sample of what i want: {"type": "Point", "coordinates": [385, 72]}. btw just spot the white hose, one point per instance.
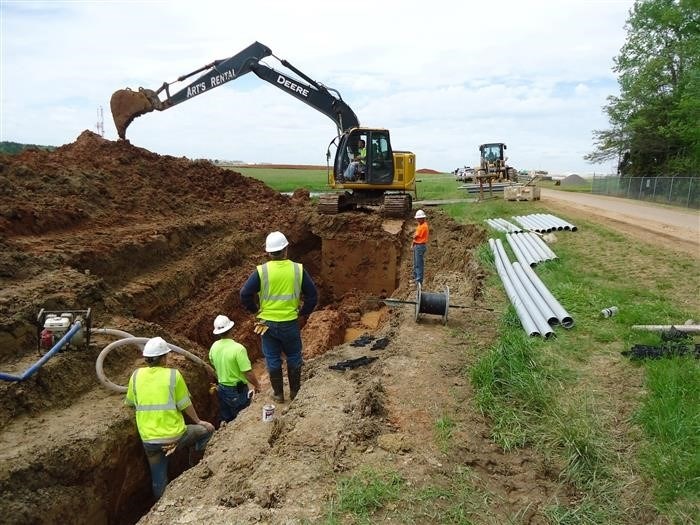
{"type": "Point", "coordinates": [140, 342]}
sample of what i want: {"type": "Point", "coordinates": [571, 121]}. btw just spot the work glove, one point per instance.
{"type": "Point", "coordinates": [260, 327]}
{"type": "Point", "coordinates": [213, 387]}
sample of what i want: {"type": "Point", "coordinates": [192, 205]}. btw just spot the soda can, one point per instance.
{"type": "Point", "coordinates": [268, 413]}
{"type": "Point", "coordinates": [609, 312]}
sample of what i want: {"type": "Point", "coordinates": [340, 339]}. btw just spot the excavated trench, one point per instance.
{"type": "Point", "coordinates": [89, 226]}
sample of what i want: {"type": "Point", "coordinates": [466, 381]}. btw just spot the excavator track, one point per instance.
{"type": "Point", "coordinates": [397, 204]}
{"type": "Point", "coordinates": [332, 203]}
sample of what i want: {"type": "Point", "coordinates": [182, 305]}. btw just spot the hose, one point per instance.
{"type": "Point", "coordinates": [140, 342]}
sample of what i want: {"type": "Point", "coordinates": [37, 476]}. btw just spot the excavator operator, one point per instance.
{"type": "Point", "coordinates": [357, 167]}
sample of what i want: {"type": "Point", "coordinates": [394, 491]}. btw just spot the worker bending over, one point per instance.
{"type": "Point", "coordinates": [159, 395]}
{"type": "Point", "coordinates": [233, 371]}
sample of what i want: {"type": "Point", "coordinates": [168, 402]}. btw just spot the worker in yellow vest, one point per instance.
{"type": "Point", "coordinates": [279, 285]}
{"type": "Point", "coordinates": [159, 395]}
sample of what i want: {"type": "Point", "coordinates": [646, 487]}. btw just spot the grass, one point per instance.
{"type": "Point", "coordinates": [641, 425]}
{"type": "Point", "coordinates": [363, 494]}
{"type": "Point", "coordinates": [287, 180]}
{"type": "Point", "coordinates": [444, 427]}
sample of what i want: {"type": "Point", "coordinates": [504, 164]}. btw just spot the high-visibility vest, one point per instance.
{"type": "Point", "coordinates": [280, 290]}
{"type": "Point", "coordinates": [159, 395]}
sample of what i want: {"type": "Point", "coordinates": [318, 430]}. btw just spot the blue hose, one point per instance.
{"type": "Point", "coordinates": [48, 355]}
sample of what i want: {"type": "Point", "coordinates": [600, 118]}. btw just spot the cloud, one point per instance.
{"type": "Point", "coordinates": [443, 76]}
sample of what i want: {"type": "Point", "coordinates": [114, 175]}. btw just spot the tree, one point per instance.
{"type": "Point", "coordinates": [654, 120]}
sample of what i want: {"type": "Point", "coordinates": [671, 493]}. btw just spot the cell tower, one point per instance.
{"type": "Point", "coordinates": [100, 122]}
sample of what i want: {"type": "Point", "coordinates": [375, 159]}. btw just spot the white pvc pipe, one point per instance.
{"type": "Point", "coordinates": [564, 318]}
{"type": "Point", "coordinates": [686, 328]}
{"type": "Point", "coordinates": [525, 319]}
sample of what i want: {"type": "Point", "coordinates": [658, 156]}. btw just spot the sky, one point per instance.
{"type": "Point", "coordinates": [442, 76]}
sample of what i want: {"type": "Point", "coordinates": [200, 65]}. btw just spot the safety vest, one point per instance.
{"type": "Point", "coordinates": [280, 290]}
{"type": "Point", "coordinates": [159, 395]}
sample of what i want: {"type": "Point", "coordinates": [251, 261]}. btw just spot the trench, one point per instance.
{"type": "Point", "coordinates": [104, 473]}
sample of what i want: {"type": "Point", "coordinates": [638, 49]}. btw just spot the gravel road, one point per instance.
{"type": "Point", "coordinates": [675, 228]}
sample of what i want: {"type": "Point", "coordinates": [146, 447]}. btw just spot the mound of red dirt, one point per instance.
{"type": "Point", "coordinates": [427, 171]}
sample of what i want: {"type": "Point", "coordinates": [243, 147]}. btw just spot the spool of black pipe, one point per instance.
{"type": "Point", "coordinates": [433, 303]}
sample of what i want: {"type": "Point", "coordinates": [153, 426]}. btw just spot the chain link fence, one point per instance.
{"type": "Point", "coordinates": [679, 191]}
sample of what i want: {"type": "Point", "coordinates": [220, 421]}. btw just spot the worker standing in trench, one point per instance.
{"type": "Point", "coordinates": [233, 371]}
{"type": "Point", "coordinates": [159, 395]}
{"type": "Point", "coordinates": [420, 242]}
{"type": "Point", "coordinates": [279, 285]}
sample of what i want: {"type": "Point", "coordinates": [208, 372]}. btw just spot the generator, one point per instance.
{"type": "Point", "coordinates": [52, 325]}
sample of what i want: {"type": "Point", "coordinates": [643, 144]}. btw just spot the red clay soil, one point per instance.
{"type": "Point", "coordinates": [427, 170]}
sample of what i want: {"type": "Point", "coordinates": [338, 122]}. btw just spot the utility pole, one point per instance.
{"type": "Point", "coordinates": [100, 122]}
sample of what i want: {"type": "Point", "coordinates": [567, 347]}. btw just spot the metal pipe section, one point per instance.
{"type": "Point", "coordinates": [564, 318]}
{"type": "Point", "coordinates": [495, 225]}
{"type": "Point", "coordinates": [48, 355]}
{"type": "Point", "coordinates": [540, 322]}
{"type": "Point", "coordinates": [525, 319]}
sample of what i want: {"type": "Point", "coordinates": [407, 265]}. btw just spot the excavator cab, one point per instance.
{"type": "Point", "coordinates": [385, 178]}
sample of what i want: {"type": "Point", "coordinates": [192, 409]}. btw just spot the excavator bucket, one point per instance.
{"type": "Point", "coordinates": [126, 105]}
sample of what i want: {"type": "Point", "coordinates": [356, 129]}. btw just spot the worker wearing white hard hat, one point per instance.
{"type": "Point", "coordinates": [234, 373]}
{"type": "Point", "coordinates": [159, 395]}
{"type": "Point", "coordinates": [274, 293]}
{"type": "Point", "coordinates": [420, 245]}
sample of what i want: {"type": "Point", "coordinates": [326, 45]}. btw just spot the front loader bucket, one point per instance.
{"type": "Point", "coordinates": [126, 105]}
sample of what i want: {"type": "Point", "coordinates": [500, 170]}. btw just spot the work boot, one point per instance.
{"type": "Point", "coordinates": [277, 382]}
{"type": "Point", "coordinates": [294, 375]}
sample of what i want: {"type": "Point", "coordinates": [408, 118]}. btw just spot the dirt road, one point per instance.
{"type": "Point", "coordinates": [675, 228]}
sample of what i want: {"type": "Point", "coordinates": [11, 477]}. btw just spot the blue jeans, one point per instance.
{"type": "Point", "coordinates": [351, 170]}
{"type": "Point", "coordinates": [232, 399]}
{"type": "Point", "coordinates": [282, 337]}
{"type": "Point", "coordinates": [195, 435]}
{"type": "Point", "coordinates": [418, 256]}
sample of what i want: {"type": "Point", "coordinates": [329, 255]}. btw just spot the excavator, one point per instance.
{"type": "Point", "coordinates": [385, 177]}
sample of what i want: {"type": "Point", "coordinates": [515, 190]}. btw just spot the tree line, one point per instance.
{"type": "Point", "coordinates": [12, 148]}
{"type": "Point", "coordinates": [655, 120]}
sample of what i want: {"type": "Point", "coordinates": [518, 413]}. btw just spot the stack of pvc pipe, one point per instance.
{"type": "Point", "coordinates": [534, 304]}
{"type": "Point", "coordinates": [529, 249]}
{"type": "Point", "coordinates": [543, 223]}
{"type": "Point", "coordinates": [502, 225]}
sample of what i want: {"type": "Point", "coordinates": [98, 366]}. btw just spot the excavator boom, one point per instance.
{"type": "Point", "coordinates": [127, 104]}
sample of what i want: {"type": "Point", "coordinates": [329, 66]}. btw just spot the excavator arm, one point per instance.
{"type": "Point", "coordinates": [127, 104]}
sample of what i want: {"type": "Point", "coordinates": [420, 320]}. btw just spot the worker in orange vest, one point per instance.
{"type": "Point", "coordinates": [420, 241]}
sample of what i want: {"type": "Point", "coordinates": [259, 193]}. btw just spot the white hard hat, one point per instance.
{"type": "Point", "coordinates": [222, 324]}
{"type": "Point", "coordinates": [276, 242]}
{"type": "Point", "coordinates": [155, 347]}
{"type": "Point", "coordinates": [420, 214]}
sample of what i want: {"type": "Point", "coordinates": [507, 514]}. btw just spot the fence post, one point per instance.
{"type": "Point", "coordinates": [670, 190]}
{"type": "Point", "coordinates": [656, 179]}
{"type": "Point", "coordinates": [629, 184]}
{"type": "Point", "coordinates": [690, 185]}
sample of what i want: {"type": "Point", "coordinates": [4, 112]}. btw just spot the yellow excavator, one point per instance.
{"type": "Point", "coordinates": [384, 176]}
